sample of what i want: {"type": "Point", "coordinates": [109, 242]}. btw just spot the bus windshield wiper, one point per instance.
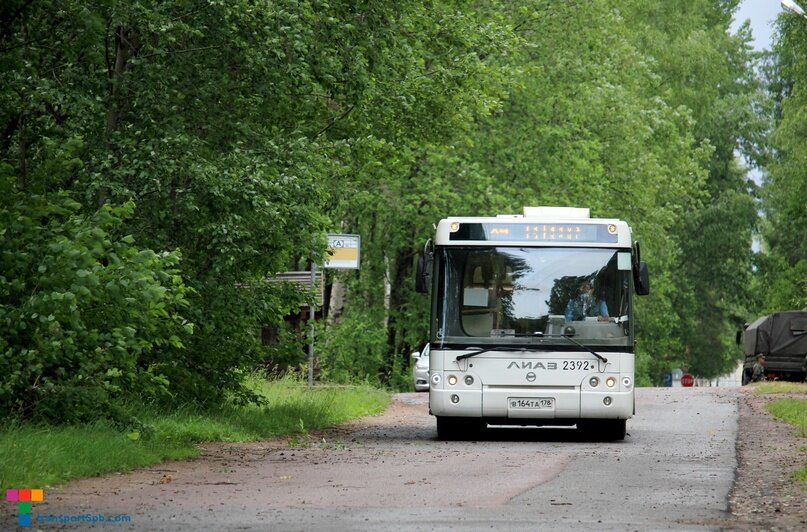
{"type": "Point", "coordinates": [539, 334]}
{"type": "Point", "coordinates": [487, 349]}
{"type": "Point", "coordinates": [536, 334]}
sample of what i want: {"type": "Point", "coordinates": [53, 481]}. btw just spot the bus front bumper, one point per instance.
{"type": "Point", "coordinates": [524, 403]}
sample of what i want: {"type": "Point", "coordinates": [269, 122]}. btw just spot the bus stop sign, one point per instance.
{"type": "Point", "coordinates": [344, 251]}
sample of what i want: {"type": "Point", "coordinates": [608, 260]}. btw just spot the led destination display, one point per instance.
{"type": "Point", "coordinates": [533, 232]}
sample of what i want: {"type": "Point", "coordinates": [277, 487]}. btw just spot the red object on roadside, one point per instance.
{"type": "Point", "coordinates": [687, 380]}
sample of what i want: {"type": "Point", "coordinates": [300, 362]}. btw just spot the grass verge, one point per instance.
{"type": "Point", "coordinates": [781, 387]}
{"type": "Point", "coordinates": [793, 411]}
{"type": "Point", "coordinates": [33, 456]}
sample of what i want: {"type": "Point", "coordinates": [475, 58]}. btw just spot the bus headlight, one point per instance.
{"type": "Point", "coordinates": [436, 379]}
{"type": "Point", "coordinates": [594, 382]}
{"type": "Point", "coordinates": [610, 382]}
{"type": "Point", "coordinates": [452, 380]}
{"type": "Point", "coordinates": [455, 398]}
{"type": "Point", "coordinates": [626, 382]}
{"type": "Point", "coordinates": [469, 380]}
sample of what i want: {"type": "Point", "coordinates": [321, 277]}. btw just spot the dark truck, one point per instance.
{"type": "Point", "coordinates": [782, 338]}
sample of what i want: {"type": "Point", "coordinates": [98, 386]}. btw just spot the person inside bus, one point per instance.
{"type": "Point", "coordinates": [585, 305]}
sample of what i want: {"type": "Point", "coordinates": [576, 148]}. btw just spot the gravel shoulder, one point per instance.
{"type": "Point", "coordinates": [765, 497]}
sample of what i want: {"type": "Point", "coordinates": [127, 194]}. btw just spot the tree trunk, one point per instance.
{"type": "Point", "coordinates": [403, 274]}
{"type": "Point", "coordinates": [22, 171]}
{"type": "Point", "coordinates": [336, 303]}
{"type": "Point", "coordinates": [122, 49]}
{"type": "Point", "coordinates": [116, 78]}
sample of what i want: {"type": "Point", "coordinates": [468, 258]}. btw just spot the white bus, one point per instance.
{"type": "Point", "coordinates": [532, 321]}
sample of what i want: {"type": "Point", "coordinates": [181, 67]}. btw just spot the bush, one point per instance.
{"type": "Point", "coordinates": [288, 350]}
{"type": "Point", "coordinates": [354, 349]}
{"type": "Point", "coordinates": [84, 313]}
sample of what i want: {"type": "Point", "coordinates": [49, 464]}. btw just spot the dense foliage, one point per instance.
{"type": "Point", "coordinates": [710, 73]}
{"type": "Point", "coordinates": [209, 145]}
{"type": "Point", "coordinates": [783, 266]}
{"type": "Point", "coordinates": [84, 313]}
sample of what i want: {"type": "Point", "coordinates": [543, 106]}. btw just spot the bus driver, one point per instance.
{"type": "Point", "coordinates": [586, 305]}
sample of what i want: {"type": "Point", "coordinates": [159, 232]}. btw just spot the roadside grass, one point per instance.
{"type": "Point", "coordinates": [801, 474]}
{"type": "Point", "coordinates": [793, 411]}
{"type": "Point", "coordinates": [781, 387]}
{"type": "Point", "coordinates": [38, 456]}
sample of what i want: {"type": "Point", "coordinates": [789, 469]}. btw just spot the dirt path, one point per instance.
{"type": "Point", "coordinates": [768, 451]}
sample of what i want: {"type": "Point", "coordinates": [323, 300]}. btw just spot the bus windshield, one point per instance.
{"type": "Point", "coordinates": [533, 296]}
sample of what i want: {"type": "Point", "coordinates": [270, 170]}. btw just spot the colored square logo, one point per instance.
{"type": "Point", "coordinates": [24, 499]}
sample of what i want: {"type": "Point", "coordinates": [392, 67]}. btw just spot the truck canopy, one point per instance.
{"type": "Point", "coordinates": [782, 333]}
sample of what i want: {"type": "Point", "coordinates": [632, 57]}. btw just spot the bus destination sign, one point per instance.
{"type": "Point", "coordinates": [534, 232]}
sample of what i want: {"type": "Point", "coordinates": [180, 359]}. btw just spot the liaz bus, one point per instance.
{"type": "Point", "coordinates": [532, 321]}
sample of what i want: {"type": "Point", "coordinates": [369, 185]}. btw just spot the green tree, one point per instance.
{"type": "Point", "coordinates": [245, 130]}
{"type": "Point", "coordinates": [584, 125]}
{"type": "Point", "coordinates": [238, 129]}
{"type": "Point", "coordinates": [206, 115]}
{"type": "Point", "coordinates": [439, 71]}
{"type": "Point", "coordinates": [783, 263]}
{"type": "Point", "coordinates": [703, 68]}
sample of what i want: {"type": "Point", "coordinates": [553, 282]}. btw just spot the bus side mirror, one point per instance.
{"type": "Point", "coordinates": [423, 275]}
{"type": "Point", "coordinates": [641, 279]}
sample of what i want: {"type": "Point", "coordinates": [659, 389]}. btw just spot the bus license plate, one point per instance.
{"type": "Point", "coordinates": [533, 403]}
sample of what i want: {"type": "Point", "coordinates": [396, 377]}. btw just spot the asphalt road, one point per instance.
{"type": "Point", "coordinates": [674, 471]}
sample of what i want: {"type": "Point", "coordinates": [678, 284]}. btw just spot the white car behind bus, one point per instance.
{"type": "Point", "coordinates": [420, 370]}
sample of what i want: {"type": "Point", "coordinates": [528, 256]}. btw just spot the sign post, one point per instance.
{"type": "Point", "coordinates": [344, 252]}
{"type": "Point", "coordinates": [312, 314]}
